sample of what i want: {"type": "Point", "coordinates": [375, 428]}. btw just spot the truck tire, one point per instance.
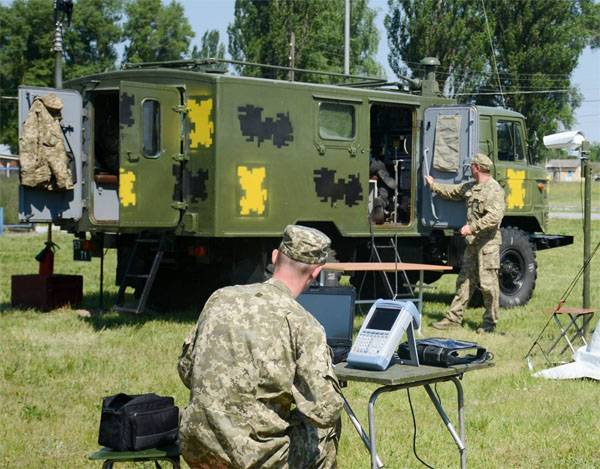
{"type": "Point", "coordinates": [518, 268]}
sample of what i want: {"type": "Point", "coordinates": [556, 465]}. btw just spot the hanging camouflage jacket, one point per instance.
{"type": "Point", "coordinates": [44, 161]}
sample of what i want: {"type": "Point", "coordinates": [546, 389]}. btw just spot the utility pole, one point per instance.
{"type": "Point", "coordinates": [292, 56]}
{"type": "Point", "coordinates": [586, 169]}
{"type": "Point", "coordinates": [347, 37]}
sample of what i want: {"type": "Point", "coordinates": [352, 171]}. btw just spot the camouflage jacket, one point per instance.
{"type": "Point", "coordinates": [43, 158]}
{"type": "Point", "coordinates": [485, 208]}
{"type": "Point", "coordinates": [254, 355]}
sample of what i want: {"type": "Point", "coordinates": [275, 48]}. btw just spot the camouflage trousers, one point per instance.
{"type": "Point", "coordinates": [310, 448]}
{"type": "Point", "coordinates": [479, 268]}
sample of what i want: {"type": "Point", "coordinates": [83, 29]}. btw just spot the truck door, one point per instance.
{"type": "Point", "coordinates": [42, 205]}
{"type": "Point", "coordinates": [511, 169]}
{"type": "Point", "coordinates": [449, 142]}
{"type": "Point", "coordinates": [150, 138]}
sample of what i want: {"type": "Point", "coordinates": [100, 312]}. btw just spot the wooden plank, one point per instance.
{"type": "Point", "coordinates": [572, 310]}
{"type": "Point", "coordinates": [382, 266]}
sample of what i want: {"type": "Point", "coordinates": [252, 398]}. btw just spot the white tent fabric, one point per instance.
{"type": "Point", "coordinates": [586, 364]}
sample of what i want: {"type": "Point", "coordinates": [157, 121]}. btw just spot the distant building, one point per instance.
{"type": "Point", "coordinates": [8, 164]}
{"type": "Point", "coordinates": [564, 170]}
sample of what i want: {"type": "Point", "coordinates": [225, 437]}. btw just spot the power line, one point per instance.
{"type": "Point", "coordinates": [512, 92]}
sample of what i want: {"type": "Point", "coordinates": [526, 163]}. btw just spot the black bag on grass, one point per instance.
{"type": "Point", "coordinates": [446, 352]}
{"type": "Point", "coordinates": [131, 423]}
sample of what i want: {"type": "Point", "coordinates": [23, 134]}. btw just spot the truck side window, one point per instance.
{"type": "Point", "coordinates": [510, 142]}
{"type": "Point", "coordinates": [337, 121]}
{"type": "Point", "coordinates": [151, 127]}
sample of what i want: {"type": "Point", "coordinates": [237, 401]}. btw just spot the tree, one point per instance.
{"type": "Point", "coordinates": [452, 30]}
{"type": "Point", "coordinates": [536, 46]}
{"type": "Point", "coordinates": [91, 41]}
{"type": "Point", "coordinates": [26, 42]}
{"type": "Point", "coordinates": [210, 46]}
{"type": "Point", "coordinates": [155, 31]}
{"type": "Point", "coordinates": [261, 33]}
{"type": "Point", "coordinates": [594, 152]}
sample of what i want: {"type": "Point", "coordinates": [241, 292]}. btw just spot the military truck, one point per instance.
{"type": "Point", "coordinates": [214, 166]}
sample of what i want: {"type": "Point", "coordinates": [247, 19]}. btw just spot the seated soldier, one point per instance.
{"type": "Point", "coordinates": [263, 391]}
{"type": "Point", "coordinates": [382, 204]}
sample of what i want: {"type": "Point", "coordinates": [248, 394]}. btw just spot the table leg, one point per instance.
{"type": "Point", "coordinates": [375, 462]}
{"type": "Point", "coordinates": [421, 281]}
{"type": "Point", "coordinates": [438, 406]}
{"type": "Point", "coordinates": [359, 429]}
{"type": "Point", "coordinates": [461, 421]}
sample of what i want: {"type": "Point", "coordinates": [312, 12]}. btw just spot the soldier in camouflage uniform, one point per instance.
{"type": "Point", "coordinates": [481, 260]}
{"type": "Point", "coordinates": [263, 393]}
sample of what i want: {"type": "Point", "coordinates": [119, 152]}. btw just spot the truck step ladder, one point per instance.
{"type": "Point", "coordinates": [147, 278]}
{"type": "Point", "coordinates": [390, 279]}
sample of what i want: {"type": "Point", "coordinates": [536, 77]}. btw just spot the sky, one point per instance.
{"type": "Point", "coordinates": [217, 14]}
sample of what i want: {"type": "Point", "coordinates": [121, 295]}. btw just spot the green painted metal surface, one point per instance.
{"type": "Point", "coordinates": [243, 157]}
{"type": "Point", "coordinates": [150, 136]}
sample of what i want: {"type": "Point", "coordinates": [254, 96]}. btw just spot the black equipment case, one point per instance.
{"type": "Point", "coordinates": [132, 423]}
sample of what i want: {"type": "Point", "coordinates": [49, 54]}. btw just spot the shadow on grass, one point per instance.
{"type": "Point", "coordinates": [106, 318]}
{"type": "Point", "coordinates": [113, 320]}
{"type": "Point", "coordinates": [436, 297]}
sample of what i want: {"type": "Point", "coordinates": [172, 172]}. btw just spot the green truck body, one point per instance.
{"type": "Point", "coordinates": [220, 164]}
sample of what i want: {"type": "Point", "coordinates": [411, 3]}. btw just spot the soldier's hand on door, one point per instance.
{"type": "Point", "coordinates": [429, 180]}
{"type": "Point", "coordinates": [466, 231]}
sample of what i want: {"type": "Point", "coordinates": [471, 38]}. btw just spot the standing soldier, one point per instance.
{"type": "Point", "coordinates": [485, 208]}
{"type": "Point", "coordinates": [262, 388]}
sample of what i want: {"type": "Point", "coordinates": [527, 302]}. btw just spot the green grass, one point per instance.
{"type": "Point", "coordinates": [568, 196]}
{"type": "Point", "coordinates": [56, 367]}
{"type": "Point", "coordinates": [9, 197]}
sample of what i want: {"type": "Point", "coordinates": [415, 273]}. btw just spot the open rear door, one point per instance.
{"type": "Point", "coordinates": [42, 205]}
{"type": "Point", "coordinates": [150, 141]}
{"type": "Point", "coordinates": [449, 143]}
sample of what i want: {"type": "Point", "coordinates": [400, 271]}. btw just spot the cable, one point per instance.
{"type": "Point", "coordinates": [412, 413]}
{"type": "Point", "coordinates": [512, 92]}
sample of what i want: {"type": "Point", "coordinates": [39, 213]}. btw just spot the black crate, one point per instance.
{"type": "Point", "coordinates": [46, 292]}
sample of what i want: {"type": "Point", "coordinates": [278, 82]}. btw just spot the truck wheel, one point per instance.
{"type": "Point", "coordinates": [518, 268]}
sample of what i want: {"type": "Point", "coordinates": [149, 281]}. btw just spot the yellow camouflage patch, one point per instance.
{"type": "Point", "coordinates": [199, 113]}
{"type": "Point", "coordinates": [126, 188]}
{"type": "Point", "coordinates": [516, 188]}
{"type": "Point", "coordinates": [255, 196]}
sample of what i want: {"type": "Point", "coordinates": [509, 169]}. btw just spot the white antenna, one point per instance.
{"type": "Point", "coordinates": [487, 28]}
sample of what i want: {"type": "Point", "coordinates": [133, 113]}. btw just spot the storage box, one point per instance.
{"type": "Point", "coordinates": [46, 292]}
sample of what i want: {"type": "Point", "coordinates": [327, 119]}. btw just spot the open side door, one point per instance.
{"type": "Point", "coordinates": [150, 143]}
{"type": "Point", "coordinates": [450, 141]}
{"type": "Point", "coordinates": [42, 205]}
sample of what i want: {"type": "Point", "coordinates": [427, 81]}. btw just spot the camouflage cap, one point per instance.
{"type": "Point", "coordinates": [483, 162]}
{"type": "Point", "coordinates": [304, 244]}
{"type": "Point", "coordinates": [52, 102]}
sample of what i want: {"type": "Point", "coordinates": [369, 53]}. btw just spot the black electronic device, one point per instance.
{"type": "Point", "coordinates": [333, 307]}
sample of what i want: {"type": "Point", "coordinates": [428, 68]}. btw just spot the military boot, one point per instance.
{"type": "Point", "coordinates": [445, 324]}
{"type": "Point", "coordinates": [486, 328]}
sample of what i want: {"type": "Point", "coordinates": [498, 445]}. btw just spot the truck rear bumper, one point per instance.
{"type": "Point", "coordinates": [547, 241]}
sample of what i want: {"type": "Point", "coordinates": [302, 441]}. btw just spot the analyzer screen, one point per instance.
{"type": "Point", "coordinates": [383, 319]}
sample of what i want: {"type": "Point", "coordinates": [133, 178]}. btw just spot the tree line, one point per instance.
{"type": "Point", "coordinates": [527, 49]}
